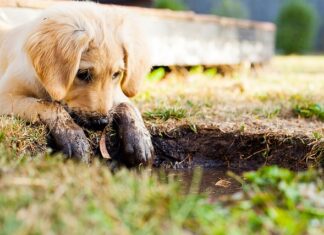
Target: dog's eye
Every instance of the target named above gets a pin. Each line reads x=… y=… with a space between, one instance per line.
x=84 y=75
x=117 y=75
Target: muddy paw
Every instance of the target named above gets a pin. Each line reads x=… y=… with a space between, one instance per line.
x=71 y=140
x=137 y=147
x=136 y=144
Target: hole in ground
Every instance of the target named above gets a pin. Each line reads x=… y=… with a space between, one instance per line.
x=181 y=150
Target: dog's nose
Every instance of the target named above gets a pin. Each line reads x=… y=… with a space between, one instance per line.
x=103 y=121
x=90 y=120
x=99 y=123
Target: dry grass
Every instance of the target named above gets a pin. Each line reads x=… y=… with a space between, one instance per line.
x=260 y=101
x=21 y=137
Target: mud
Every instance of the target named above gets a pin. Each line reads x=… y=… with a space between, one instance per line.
x=209 y=147
x=213 y=182
x=180 y=151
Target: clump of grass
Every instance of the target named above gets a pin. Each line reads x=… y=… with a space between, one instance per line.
x=317 y=135
x=267 y=112
x=22 y=137
x=166 y=113
x=210 y=72
x=310 y=110
x=156 y=74
x=281 y=197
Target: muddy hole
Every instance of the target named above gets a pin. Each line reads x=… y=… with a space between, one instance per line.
x=180 y=151
x=211 y=148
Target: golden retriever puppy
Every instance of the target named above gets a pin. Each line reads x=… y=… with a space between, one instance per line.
x=79 y=58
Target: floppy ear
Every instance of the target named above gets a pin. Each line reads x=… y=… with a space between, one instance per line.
x=55 y=51
x=137 y=59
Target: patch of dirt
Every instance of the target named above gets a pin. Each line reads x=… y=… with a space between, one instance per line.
x=210 y=147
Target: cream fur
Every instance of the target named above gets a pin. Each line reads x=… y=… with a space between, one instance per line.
x=39 y=61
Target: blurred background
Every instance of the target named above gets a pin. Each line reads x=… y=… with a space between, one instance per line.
x=300 y=27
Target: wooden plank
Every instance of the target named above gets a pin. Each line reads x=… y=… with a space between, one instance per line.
x=183 y=38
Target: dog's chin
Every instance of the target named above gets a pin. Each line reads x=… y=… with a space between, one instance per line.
x=89 y=120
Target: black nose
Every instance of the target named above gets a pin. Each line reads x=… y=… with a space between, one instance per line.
x=97 y=122
x=103 y=121
x=91 y=122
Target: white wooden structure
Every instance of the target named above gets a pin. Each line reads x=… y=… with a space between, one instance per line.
x=181 y=38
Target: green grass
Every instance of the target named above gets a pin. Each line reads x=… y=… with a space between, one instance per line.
x=310 y=110
x=156 y=75
x=46 y=194
x=165 y=114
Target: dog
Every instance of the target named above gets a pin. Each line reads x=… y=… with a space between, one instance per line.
x=83 y=59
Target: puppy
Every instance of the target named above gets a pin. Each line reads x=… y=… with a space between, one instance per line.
x=83 y=58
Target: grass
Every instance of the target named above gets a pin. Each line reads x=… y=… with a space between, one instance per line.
x=263 y=100
x=165 y=114
x=45 y=194
x=21 y=137
x=310 y=110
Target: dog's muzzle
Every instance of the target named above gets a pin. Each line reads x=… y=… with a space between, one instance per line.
x=90 y=120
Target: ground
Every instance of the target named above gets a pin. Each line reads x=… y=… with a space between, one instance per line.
x=259 y=101
x=232 y=114
x=247 y=118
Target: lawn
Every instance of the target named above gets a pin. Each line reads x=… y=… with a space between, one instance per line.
x=263 y=99
x=42 y=193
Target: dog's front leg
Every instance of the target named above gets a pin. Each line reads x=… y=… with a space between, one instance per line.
x=68 y=136
x=135 y=139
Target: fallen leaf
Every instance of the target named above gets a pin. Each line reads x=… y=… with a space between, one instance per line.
x=223 y=183
x=103 y=147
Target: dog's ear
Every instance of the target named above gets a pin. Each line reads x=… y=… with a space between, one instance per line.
x=137 y=59
x=55 y=51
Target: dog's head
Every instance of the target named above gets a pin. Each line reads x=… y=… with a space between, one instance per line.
x=87 y=56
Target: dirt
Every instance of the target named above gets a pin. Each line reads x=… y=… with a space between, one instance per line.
x=181 y=150
x=210 y=147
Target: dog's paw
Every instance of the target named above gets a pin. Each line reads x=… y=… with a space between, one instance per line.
x=136 y=144
x=71 y=140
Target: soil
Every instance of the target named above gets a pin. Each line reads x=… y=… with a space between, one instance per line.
x=210 y=147
x=181 y=150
